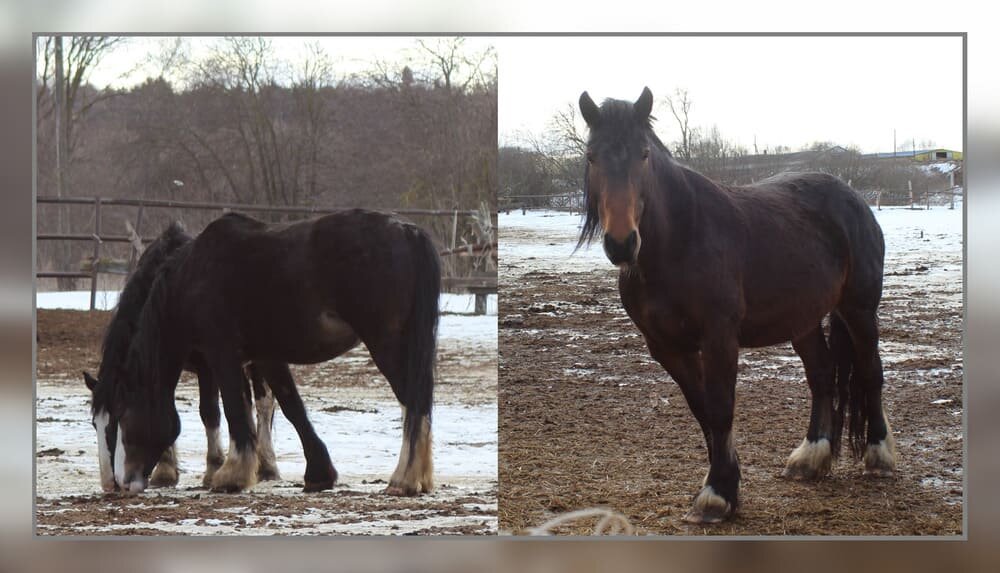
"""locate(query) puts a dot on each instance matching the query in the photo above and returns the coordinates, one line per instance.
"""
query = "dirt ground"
(69, 502)
(588, 419)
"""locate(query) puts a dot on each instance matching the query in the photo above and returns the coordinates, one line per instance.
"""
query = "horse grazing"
(117, 338)
(707, 269)
(245, 291)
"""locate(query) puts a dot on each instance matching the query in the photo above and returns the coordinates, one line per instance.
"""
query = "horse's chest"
(658, 315)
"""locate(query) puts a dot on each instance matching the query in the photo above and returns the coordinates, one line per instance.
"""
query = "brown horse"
(707, 269)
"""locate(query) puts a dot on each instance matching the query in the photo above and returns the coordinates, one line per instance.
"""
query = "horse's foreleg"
(813, 458)
(239, 471)
(320, 473)
(718, 497)
(166, 474)
(263, 400)
(211, 417)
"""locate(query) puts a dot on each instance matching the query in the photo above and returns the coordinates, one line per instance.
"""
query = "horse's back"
(806, 233)
(353, 266)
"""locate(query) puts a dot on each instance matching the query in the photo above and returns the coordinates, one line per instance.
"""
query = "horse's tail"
(420, 336)
(851, 396)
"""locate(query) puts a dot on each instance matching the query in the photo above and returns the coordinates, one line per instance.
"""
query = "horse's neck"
(670, 208)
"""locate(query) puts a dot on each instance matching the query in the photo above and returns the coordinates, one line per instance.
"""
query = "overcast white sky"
(349, 54)
(783, 90)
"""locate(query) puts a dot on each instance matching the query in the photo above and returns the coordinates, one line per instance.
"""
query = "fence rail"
(480, 286)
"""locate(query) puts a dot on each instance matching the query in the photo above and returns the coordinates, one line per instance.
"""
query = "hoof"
(708, 508)
(239, 472)
(321, 482)
(226, 488)
(164, 477)
(311, 487)
(268, 474)
(210, 470)
(810, 461)
(880, 459)
(400, 491)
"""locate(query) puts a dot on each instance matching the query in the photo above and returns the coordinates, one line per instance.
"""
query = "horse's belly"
(315, 339)
(767, 329)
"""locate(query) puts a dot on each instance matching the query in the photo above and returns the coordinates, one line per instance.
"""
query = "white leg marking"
(811, 460)
(416, 475)
(238, 472)
(708, 507)
(166, 473)
(404, 454)
(265, 446)
(214, 457)
(104, 461)
(880, 458)
(120, 459)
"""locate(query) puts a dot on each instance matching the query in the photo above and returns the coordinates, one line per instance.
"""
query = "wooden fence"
(480, 286)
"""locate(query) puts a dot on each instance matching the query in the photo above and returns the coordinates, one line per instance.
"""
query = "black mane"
(121, 330)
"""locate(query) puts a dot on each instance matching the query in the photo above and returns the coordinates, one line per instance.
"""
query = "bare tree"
(456, 67)
(64, 71)
(680, 107)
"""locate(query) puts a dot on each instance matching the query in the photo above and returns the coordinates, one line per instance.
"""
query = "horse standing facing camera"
(707, 269)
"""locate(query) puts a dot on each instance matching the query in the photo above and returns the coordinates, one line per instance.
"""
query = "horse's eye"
(645, 153)
(590, 157)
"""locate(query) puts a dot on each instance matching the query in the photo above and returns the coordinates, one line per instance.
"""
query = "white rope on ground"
(611, 522)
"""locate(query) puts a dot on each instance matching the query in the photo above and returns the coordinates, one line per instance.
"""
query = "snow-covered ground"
(457, 321)
(546, 239)
(360, 423)
(363, 437)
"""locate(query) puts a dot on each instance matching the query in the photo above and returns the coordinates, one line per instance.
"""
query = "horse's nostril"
(631, 241)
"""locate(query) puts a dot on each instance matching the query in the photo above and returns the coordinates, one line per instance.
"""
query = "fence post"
(97, 253)
(134, 256)
(454, 229)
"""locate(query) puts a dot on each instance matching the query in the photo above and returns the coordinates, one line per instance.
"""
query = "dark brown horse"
(707, 269)
(117, 340)
(247, 292)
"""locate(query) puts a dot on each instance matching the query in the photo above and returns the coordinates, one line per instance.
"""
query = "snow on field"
(359, 421)
(456, 323)
(546, 239)
(363, 437)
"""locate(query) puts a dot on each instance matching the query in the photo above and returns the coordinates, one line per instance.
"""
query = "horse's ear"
(591, 114)
(89, 380)
(644, 105)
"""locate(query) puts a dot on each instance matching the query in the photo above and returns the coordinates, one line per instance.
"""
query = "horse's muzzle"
(622, 253)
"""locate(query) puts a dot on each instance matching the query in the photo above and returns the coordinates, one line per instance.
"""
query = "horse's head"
(618, 152)
(132, 434)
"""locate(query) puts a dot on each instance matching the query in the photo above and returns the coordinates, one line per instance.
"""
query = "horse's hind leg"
(320, 473)
(166, 474)
(263, 400)
(866, 392)
(415, 468)
(814, 456)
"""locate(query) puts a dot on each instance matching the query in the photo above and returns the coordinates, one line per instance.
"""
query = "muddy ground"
(353, 410)
(588, 419)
